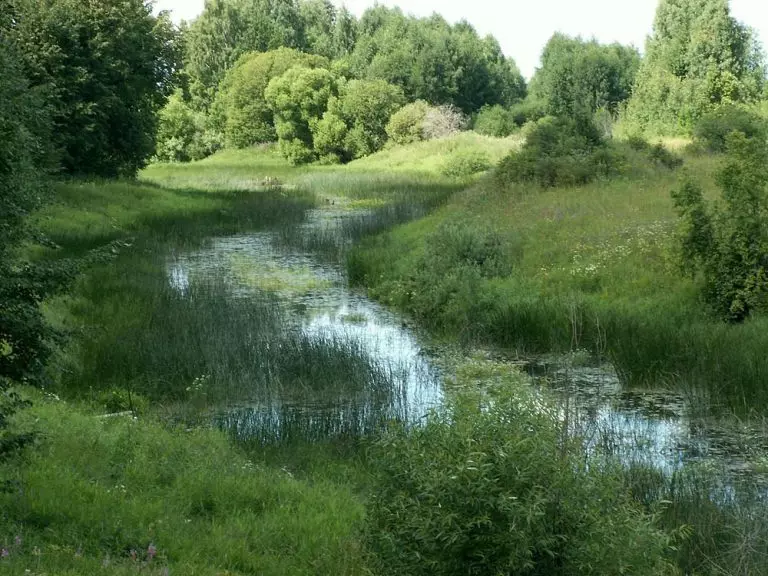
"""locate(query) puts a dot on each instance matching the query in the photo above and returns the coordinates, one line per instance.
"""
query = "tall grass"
(593, 267)
(98, 494)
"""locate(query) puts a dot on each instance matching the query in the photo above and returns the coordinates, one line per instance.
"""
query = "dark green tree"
(434, 61)
(108, 67)
(25, 158)
(698, 57)
(579, 77)
(727, 242)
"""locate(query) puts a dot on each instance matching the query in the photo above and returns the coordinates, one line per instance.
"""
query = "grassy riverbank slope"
(593, 267)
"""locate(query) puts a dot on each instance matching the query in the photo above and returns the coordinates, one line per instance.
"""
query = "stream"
(655, 428)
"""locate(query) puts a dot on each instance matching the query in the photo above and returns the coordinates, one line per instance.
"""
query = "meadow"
(169, 486)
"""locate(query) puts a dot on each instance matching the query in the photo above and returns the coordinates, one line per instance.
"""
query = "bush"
(366, 107)
(443, 121)
(495, 121)
(728, 243)
(713, 128)
(560, 152)
(182, 133)
(299, 99)
(496, 489)
(406, 126)
(530, 110)
(466, 163)
(659, 154)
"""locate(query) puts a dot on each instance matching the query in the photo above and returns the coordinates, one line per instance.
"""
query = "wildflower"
(17, 540)
(133, 555)
(106, 561)
(151, 552)
(4, 553)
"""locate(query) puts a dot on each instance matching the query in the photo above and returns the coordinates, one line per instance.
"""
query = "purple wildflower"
(151, 552)
(4, 553)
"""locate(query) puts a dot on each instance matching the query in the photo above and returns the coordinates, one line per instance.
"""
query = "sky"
(524, 26)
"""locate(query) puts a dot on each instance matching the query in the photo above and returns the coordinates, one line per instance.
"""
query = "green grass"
(95, 489)
(593, 267)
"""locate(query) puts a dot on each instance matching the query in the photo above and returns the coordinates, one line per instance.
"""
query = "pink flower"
(151, 552)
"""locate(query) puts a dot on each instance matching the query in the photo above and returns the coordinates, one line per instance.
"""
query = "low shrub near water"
(498, 490)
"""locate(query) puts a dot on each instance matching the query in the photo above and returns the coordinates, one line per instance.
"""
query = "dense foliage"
(108, 67)
(183, 134)
(227, 29)
(559, 152)
(434, 61)
(698, 57)
(299, 98)
(240, 110)
(713, 129)
(495, 121)
(496, 491)
(24, 159)
(355, 123)
(579, 77)
(728, 242)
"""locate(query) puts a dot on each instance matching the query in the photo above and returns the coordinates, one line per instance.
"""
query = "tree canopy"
(434, 61)
(698, 57)
(240, 110)
(580, 77)
(108, 68)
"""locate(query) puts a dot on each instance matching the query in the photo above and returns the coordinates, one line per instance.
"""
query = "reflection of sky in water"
(332, 313)
(638, 426)
(648, 426)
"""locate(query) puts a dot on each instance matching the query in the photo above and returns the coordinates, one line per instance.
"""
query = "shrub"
(728, 243)
(299, 99)
(659, 154)
(466, 163)
(495, 121)
(713, 128)
(530, 110)
(559, 152)
(444, 121)
(182, 133)
(366, 107)
(406, 126)
(494, 489)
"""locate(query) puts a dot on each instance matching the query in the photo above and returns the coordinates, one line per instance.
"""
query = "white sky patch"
(524, 26)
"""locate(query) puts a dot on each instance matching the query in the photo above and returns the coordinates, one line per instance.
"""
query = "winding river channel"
(652, 427)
